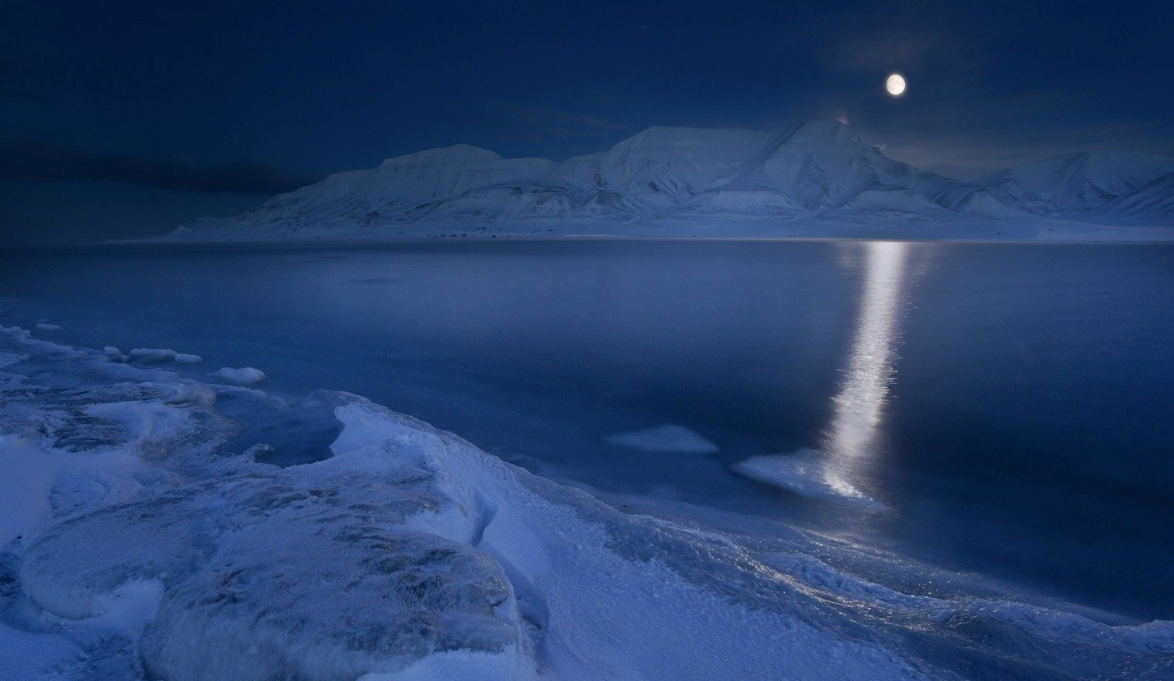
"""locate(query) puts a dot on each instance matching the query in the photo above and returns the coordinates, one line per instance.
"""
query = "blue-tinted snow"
(151, 548)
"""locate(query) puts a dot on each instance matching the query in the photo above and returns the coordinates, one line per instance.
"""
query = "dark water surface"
(1010, 406)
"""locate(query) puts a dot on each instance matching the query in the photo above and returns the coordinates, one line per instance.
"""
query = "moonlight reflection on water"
(848, 445)
(858, 405)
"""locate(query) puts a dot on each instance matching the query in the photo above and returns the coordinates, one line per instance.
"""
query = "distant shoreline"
(161, 244)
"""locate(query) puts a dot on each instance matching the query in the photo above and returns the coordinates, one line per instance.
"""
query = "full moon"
(895, 84)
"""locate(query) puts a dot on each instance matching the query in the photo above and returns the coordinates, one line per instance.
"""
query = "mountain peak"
(457, 153)
(1081, 181)
(817, 170)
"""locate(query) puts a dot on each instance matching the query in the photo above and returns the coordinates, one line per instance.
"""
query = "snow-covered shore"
(144, 536)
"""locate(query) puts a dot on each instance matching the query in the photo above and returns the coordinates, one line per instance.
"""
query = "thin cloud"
(524, 123)
(43, 162)
(908, 36)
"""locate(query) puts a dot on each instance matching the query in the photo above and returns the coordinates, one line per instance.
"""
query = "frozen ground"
(143, 539)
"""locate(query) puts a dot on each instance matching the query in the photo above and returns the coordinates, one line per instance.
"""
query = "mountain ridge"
(811, 178)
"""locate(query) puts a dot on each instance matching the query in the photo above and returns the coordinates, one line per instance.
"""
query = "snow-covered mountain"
(812, 179)
(1074, 184)
(1149, 204)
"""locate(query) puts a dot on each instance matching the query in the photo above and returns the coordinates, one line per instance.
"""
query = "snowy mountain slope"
(1075, 183)
(800, 180)
(1149, 204)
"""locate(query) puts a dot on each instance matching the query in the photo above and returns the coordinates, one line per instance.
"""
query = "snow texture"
(243, 376)
(152, 355)
(137, 546)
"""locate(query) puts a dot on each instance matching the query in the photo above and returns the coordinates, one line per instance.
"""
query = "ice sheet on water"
(44, 326)
(807, 473)
(667, 438)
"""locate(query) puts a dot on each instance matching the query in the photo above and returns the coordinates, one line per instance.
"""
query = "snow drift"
(148, 547)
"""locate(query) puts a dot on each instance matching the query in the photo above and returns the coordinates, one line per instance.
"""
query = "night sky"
(124, 119)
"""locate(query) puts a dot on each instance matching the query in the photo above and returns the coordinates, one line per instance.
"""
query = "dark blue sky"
(123, 118)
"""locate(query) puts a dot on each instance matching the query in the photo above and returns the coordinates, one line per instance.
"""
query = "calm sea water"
(1011, 407)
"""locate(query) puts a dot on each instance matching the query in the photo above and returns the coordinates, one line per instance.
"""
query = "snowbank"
(136, 544)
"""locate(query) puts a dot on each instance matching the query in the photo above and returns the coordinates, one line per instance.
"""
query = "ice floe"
(667, 438)
(152, 355)
(806, 473)
(242, 376)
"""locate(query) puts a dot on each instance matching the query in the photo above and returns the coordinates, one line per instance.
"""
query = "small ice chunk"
(806, 473)
(152, 355)
(43, 326)
(183, 358)
(667, 438)
(243, 376)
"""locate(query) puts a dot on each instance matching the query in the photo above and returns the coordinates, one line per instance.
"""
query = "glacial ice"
(143, 547)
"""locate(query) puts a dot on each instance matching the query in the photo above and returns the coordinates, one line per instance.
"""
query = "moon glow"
(895, 84)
